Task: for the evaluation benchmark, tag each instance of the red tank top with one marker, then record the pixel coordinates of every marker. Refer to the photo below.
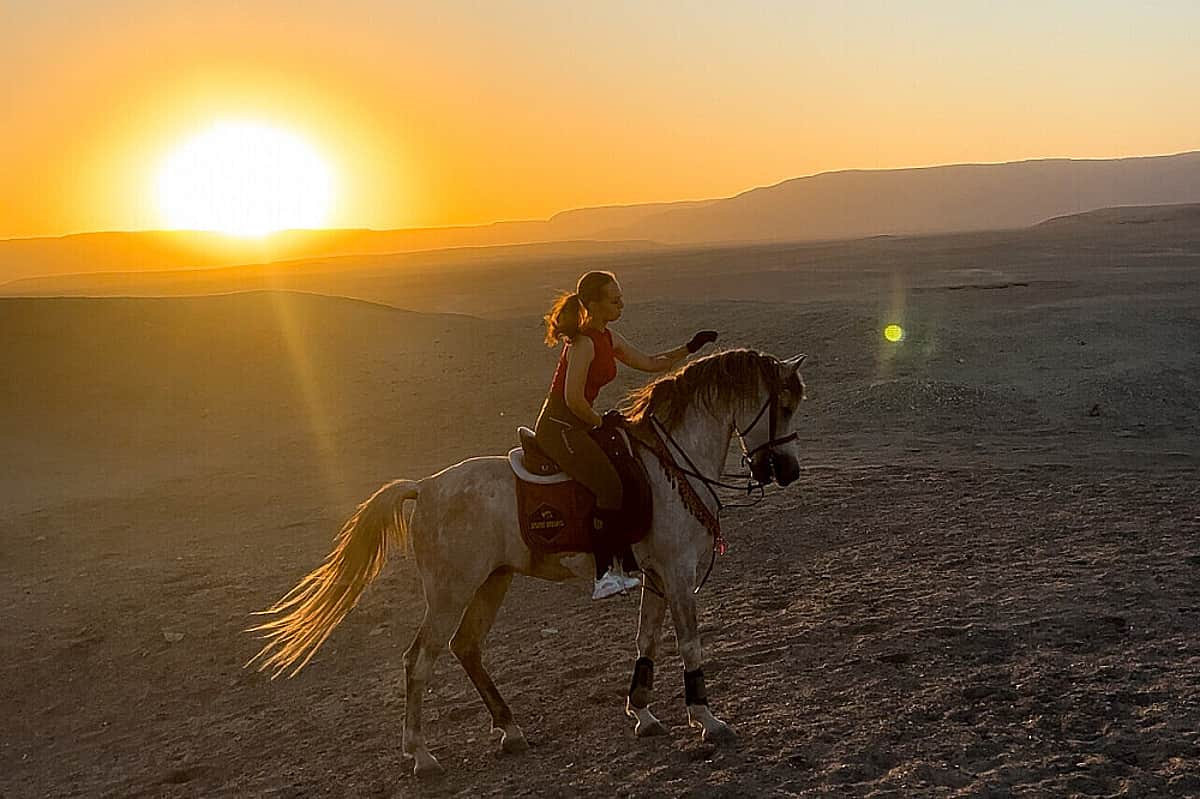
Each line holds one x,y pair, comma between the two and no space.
601,372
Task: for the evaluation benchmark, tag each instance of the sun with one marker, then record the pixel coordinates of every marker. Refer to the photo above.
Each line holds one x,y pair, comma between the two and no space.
245,179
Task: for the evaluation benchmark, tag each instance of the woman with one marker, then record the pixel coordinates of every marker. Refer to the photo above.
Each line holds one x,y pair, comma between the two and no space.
587,364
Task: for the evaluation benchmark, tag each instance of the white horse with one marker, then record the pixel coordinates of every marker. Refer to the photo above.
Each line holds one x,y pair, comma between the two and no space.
464,533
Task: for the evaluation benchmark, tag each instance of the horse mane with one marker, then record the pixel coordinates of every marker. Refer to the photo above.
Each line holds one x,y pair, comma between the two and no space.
716,380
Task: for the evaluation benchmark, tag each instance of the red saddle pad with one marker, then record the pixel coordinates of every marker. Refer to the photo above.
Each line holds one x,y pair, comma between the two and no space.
556,517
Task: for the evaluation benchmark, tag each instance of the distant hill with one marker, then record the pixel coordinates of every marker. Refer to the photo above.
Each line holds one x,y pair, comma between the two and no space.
495,280
829,206
959,198
520,280
156,250
1156,215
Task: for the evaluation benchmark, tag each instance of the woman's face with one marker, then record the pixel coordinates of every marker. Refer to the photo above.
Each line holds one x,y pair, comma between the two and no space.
607,308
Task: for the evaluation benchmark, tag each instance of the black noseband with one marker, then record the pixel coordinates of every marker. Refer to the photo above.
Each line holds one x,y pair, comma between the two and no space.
769,445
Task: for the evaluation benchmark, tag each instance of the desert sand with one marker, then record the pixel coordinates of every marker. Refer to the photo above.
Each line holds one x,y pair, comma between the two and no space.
986,582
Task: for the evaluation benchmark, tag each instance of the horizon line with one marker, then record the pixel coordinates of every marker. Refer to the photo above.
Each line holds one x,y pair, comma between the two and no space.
252,239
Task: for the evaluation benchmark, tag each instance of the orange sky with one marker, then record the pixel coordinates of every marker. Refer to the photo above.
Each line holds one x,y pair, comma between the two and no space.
455,113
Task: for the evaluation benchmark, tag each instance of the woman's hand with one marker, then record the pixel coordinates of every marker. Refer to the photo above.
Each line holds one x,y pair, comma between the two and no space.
612,419
700,339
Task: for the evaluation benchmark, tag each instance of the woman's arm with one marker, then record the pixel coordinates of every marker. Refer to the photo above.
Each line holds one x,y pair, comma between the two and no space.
630,356
579,359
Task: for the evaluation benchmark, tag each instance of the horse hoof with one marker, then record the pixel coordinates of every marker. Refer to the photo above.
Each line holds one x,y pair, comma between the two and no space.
719,734
647,725
427,767
650,728
514,744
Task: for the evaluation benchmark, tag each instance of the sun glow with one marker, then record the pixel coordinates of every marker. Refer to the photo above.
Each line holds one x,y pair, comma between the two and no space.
245,179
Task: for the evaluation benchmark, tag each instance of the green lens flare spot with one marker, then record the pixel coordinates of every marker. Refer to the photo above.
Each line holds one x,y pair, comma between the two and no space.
893,333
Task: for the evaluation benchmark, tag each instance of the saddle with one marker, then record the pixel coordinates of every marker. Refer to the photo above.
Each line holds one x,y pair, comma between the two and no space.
556,513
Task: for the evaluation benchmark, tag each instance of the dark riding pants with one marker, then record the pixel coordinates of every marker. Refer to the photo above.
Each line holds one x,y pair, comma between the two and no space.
564,437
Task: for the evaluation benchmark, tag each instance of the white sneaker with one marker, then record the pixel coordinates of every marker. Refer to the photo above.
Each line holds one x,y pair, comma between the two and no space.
628,581
608,585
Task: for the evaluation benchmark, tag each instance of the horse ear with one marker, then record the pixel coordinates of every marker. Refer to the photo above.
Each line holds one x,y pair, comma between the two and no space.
794,362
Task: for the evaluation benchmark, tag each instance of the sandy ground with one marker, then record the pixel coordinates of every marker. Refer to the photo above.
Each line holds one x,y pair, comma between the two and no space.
986,583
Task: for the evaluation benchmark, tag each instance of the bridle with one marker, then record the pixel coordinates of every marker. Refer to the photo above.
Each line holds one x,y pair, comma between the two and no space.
771,442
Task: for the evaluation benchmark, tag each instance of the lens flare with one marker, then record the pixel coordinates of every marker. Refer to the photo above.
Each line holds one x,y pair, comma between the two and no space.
893,333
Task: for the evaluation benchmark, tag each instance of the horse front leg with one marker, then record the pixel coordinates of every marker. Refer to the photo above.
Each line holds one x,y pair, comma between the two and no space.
687,631
641,688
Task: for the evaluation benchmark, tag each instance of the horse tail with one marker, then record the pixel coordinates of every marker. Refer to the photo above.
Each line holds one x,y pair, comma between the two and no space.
308,613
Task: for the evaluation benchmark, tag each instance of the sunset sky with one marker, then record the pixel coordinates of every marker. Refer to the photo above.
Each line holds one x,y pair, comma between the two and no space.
454,113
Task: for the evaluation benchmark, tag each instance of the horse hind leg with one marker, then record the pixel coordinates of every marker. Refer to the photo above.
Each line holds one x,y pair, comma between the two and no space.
441,616
637,704
467,646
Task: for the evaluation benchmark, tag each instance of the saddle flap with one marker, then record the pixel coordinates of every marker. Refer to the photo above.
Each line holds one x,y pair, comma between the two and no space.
555,517
636,506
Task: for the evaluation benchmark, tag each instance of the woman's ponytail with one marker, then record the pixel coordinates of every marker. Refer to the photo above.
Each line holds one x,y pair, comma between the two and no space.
564,319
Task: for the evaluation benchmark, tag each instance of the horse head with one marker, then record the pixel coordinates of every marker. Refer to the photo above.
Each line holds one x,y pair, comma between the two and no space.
768,440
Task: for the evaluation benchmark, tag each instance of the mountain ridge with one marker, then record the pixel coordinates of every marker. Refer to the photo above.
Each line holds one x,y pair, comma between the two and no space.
835,205
935,199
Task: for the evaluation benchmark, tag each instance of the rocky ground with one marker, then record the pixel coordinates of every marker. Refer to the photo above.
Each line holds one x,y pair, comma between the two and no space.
986,582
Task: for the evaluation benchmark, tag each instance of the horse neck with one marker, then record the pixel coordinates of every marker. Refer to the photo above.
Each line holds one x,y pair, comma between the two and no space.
704,435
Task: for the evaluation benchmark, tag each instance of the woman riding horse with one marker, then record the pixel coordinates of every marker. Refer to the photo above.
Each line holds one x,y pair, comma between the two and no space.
587,364
462,528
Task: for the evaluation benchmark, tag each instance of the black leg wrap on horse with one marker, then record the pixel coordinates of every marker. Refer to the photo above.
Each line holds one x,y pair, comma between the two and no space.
643,683
693,688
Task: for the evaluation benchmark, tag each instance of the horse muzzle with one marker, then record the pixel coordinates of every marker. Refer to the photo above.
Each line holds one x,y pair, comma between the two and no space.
768,466
786,468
